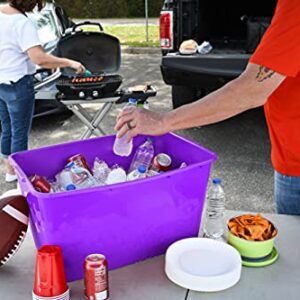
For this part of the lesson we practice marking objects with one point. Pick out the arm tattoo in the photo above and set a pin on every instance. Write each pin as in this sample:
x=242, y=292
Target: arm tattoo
x=264, y=73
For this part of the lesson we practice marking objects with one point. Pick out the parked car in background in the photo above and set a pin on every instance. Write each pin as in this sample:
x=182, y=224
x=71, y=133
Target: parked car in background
x=51, y=22
x=233, y=28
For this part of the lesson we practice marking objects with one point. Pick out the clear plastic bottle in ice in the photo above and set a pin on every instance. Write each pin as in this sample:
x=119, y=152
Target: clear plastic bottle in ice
x=215, y=209
x=81, y=177
x=56, y=187
x=65, y=179
x=139, y=173
x=143, y=156
x=101, y=171
x=121, y=146
x=116, y=175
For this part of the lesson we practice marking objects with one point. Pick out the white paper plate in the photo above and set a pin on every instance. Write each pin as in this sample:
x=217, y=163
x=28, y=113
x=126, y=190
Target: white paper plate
x=203, y=265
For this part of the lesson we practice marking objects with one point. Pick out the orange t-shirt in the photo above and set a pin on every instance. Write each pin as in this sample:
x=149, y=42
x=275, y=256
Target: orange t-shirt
x=279, y=51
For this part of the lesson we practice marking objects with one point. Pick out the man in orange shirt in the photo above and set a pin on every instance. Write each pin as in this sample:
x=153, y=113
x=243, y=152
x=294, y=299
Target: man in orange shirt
x=272, y=79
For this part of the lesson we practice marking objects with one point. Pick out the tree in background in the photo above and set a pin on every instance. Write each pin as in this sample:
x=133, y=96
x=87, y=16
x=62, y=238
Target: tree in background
x=155, y=7
x=110, y=9
x=136, y=8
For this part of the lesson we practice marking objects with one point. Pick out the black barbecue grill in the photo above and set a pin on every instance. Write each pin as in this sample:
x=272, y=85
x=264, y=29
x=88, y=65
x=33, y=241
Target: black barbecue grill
x=100, y=53
x=88, y=88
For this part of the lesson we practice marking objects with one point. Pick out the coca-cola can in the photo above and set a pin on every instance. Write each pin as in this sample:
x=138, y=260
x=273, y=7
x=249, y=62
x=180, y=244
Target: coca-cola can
x=40, y=184
x=162, y=162
x=96, y=277
x=80, y=161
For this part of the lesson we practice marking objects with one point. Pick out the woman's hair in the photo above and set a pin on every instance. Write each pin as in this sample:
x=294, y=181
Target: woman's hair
x=26, y=5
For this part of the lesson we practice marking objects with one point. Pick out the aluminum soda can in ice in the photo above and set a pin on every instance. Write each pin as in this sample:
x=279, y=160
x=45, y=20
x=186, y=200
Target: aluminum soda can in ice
x=161, y=162
x=96, y=277
x=40, y=184
x=80, y=161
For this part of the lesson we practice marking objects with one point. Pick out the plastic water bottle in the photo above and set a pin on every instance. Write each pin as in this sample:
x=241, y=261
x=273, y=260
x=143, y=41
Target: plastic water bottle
x=215, y=208
x=116, y=175
x=101, y=171
x=121, y=146
x=139, y=173
x=65, y=179
x=56, y=187
x=81, y=177
x=143, y=156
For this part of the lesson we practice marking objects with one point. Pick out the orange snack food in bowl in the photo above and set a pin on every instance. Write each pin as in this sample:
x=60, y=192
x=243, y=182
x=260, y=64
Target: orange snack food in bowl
x=252, y=227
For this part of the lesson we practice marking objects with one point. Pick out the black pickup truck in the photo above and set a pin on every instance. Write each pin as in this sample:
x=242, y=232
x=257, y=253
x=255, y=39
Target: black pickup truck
x=233, y=28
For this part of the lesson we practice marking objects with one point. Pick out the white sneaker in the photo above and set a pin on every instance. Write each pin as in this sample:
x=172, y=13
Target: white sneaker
x=10, y=177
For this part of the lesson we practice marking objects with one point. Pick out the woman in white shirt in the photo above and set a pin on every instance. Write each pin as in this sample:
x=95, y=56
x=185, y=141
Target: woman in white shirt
x=20, y=51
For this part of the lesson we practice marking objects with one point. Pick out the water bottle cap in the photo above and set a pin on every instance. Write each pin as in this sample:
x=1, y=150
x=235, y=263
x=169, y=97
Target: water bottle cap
x=217, y=181
x=142, y=169
x=70, y=187
x=132, y=101
x=70, y=164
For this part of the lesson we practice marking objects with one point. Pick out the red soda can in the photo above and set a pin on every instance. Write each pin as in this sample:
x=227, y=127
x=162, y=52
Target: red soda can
x=80, y=161
x=40, y=184
x=96, y=277
x=162, y=162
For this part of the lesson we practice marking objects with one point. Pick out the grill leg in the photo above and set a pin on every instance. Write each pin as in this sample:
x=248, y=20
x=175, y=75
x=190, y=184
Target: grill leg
x=98, y=118
x=90, y=119
x=84, y=113
x=85, y=118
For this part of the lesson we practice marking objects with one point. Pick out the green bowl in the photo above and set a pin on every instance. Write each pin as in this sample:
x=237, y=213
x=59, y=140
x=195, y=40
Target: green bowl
x=251, y=249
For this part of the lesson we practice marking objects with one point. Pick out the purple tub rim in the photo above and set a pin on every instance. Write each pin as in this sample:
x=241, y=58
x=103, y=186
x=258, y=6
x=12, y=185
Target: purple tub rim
x=33, y=192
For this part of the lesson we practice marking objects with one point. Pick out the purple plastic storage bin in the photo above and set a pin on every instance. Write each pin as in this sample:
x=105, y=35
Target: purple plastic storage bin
x=126, y=222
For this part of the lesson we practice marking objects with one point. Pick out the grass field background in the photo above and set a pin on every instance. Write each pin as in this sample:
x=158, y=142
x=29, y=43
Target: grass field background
x=132, y=35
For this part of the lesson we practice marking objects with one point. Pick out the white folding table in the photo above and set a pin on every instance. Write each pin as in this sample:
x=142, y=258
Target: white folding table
x=147, y=280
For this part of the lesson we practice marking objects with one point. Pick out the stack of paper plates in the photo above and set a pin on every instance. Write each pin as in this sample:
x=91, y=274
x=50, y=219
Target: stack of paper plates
x=203, y=265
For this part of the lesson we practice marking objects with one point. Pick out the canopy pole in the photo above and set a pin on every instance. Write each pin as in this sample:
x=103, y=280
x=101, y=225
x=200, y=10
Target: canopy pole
x=147, y=21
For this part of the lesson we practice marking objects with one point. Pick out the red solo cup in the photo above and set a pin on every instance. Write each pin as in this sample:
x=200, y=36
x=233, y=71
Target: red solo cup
x=50, y=278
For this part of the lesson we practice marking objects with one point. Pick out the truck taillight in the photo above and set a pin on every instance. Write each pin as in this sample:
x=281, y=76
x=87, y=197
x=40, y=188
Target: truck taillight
x=166, y=30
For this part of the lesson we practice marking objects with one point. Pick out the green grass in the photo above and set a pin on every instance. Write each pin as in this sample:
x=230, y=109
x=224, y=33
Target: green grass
x=135, y=35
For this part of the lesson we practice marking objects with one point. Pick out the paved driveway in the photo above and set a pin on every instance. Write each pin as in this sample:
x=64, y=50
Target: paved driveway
x=241, y=143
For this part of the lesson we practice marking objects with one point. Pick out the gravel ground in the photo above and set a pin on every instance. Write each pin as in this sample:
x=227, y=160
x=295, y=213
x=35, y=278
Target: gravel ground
x=241, y=143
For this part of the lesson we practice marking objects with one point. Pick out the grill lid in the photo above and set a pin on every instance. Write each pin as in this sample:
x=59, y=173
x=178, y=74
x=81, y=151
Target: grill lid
x=97, y=51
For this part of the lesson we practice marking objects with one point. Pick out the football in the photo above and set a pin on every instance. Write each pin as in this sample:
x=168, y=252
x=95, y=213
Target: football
x=14, y=216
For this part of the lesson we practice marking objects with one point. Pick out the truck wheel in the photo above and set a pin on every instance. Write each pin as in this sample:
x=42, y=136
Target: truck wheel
x=182, y=95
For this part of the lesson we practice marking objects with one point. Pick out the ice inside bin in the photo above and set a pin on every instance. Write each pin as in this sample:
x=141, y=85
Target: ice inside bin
x=126, y=222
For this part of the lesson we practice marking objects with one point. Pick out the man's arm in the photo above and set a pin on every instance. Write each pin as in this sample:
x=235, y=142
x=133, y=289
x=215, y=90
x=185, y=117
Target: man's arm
x=250, y=90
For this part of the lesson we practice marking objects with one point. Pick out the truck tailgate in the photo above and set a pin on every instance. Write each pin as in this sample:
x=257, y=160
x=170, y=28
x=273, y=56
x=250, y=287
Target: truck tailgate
x=190, y=69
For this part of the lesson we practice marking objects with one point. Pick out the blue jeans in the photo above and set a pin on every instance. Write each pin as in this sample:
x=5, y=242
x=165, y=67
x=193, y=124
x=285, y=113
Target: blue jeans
x=16, y=111
x=287, y=194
